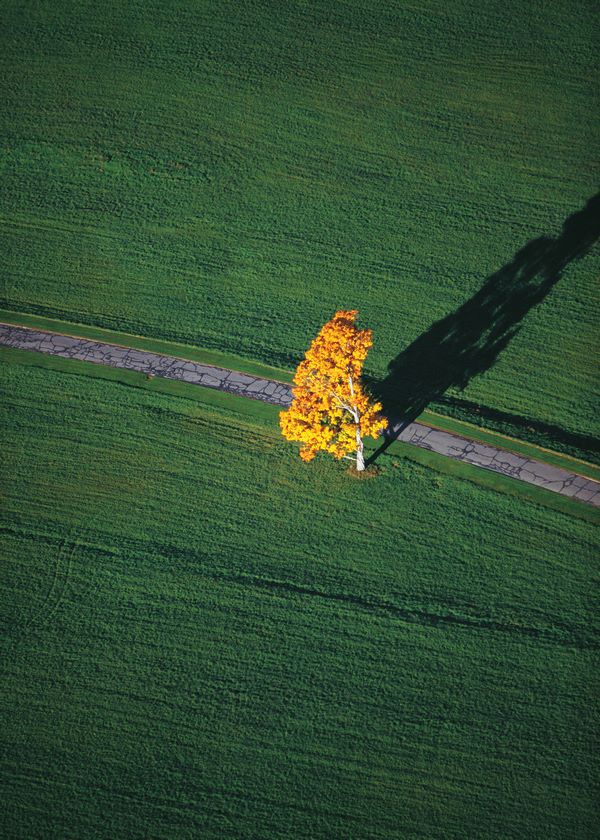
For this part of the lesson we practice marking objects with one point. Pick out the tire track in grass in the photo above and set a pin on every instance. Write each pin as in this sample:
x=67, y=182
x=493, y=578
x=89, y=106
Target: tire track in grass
x=553, y=632
x=557, y=633
x=63, y=568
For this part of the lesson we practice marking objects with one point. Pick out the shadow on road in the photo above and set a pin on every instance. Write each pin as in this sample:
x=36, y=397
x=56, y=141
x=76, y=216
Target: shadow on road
x=467, y=342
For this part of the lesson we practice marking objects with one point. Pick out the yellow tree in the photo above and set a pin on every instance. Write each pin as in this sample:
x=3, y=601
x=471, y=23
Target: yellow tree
x=330, y=410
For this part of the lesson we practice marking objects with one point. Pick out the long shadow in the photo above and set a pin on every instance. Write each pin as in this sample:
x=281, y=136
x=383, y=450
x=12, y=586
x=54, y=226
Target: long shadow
x=467, y=342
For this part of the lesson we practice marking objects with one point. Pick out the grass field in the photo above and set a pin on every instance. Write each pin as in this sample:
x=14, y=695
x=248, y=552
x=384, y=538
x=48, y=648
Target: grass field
x=205, y=638
x=228, y=174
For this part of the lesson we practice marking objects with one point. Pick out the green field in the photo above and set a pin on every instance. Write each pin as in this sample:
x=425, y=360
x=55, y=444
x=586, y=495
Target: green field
x=202, y=637
x=228, y=174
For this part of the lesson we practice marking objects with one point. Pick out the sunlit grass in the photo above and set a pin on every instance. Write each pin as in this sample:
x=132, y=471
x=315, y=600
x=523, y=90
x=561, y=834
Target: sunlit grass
x=205, y=637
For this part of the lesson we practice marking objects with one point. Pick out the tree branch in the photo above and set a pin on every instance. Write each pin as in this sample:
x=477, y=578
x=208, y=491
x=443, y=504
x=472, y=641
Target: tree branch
x=341, y=402
x=326, y=384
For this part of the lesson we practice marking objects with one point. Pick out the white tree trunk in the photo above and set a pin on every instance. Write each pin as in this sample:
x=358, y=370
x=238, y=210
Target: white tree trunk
x=360, y=458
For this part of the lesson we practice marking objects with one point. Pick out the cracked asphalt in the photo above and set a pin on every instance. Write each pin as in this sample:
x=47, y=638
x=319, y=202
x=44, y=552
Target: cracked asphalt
x=278, y=393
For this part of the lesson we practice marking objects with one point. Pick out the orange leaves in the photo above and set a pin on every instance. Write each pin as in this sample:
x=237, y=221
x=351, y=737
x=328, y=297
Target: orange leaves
x=339, y=351
x=330, y=411
x=372, y=423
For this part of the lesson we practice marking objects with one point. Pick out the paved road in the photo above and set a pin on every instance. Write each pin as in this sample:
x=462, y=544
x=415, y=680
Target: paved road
x=278, y=393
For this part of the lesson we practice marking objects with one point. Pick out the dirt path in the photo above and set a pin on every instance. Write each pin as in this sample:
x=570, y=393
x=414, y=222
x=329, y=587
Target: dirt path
x=453, y=446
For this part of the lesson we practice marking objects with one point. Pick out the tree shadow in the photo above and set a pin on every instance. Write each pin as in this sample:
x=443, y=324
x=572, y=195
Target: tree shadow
x=468, y=342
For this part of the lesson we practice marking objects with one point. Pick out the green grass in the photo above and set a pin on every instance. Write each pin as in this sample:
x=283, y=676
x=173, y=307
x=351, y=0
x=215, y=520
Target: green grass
x=204, y=637
x=228, y=174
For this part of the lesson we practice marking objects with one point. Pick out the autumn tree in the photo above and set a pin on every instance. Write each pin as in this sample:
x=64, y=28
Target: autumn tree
x=330, y=410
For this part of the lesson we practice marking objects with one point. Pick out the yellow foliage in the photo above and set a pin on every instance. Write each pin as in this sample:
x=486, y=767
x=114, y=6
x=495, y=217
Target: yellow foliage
x=329, y=404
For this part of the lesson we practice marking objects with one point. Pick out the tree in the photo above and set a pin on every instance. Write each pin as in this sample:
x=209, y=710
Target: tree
x=330, y=410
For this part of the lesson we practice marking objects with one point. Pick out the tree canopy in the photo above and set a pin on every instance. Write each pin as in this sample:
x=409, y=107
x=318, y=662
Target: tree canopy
x=331, y=410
